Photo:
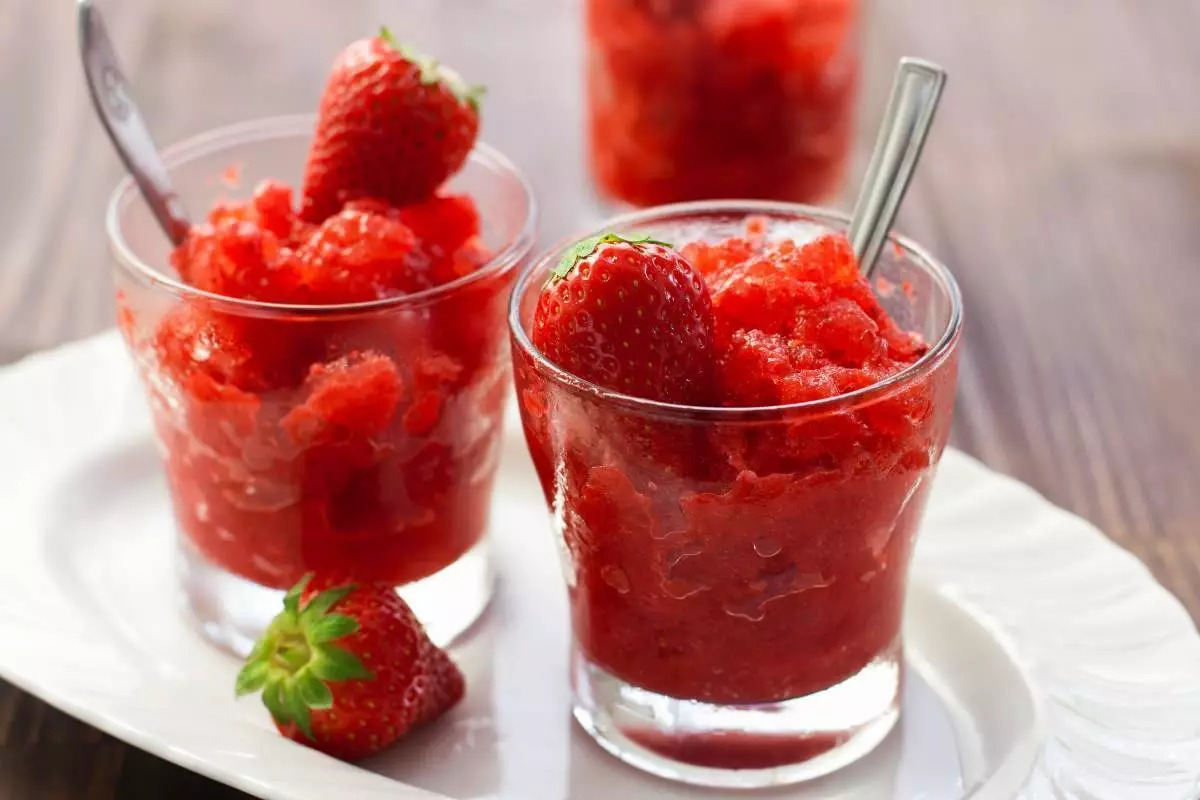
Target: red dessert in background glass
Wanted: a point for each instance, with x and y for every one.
(327, 396)
(698, 99)
(737, 570)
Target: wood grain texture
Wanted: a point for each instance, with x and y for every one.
(1062, 185)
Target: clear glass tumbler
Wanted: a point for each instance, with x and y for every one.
(737, 575)
(700, 99)
(359, 440)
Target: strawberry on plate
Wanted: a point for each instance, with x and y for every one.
(630, 314)
(393, 125)
(348, 670)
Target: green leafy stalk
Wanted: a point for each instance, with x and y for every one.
(584, 248)
(385, 33)
(296, 659)
(433, 71)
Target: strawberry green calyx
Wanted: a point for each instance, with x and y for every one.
(296, 658)
(583, 249)
(433, 71)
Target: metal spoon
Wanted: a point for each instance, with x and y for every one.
(915, 95)
(113, 101)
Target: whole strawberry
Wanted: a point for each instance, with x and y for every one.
(349, 670)
(630, 314)
(393, 125)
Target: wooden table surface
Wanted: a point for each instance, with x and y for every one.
(1062, 185)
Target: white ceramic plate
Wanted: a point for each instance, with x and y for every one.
(1046, 662)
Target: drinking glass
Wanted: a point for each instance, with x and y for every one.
(358, 440)
(699, 99)
(737, 576)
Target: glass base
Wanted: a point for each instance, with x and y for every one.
(743, 747)
(232, 612)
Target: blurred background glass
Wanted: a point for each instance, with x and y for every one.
(704, 99)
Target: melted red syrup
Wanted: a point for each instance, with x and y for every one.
(749, 562)
(735, 750)
(360, 444)
(698, 99)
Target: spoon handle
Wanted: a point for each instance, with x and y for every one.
(113, 101)
(906, 123)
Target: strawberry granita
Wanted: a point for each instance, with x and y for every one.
(327, 395)
(327, 372)
(754, 550)
(696, 99)
(357, 444)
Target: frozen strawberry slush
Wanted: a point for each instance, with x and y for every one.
(353, 442)
(697, 99)
(754, 558)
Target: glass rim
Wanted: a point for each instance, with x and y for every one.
(933, 358)
(277, 127)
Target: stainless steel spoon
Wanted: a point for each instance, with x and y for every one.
(915, 95)
(113, 101)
